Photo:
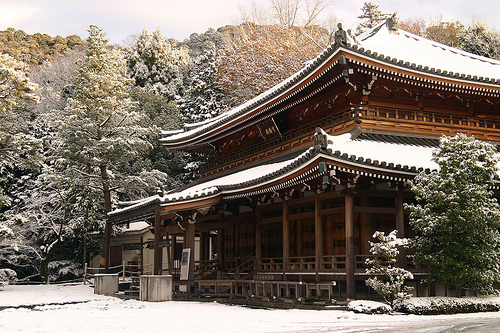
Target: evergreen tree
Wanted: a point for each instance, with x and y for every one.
(202, 99)
(383, 264)
(456, 219)
(371, 17)
(14, 83)
(480, 39)
(156, 66)
(99, 127)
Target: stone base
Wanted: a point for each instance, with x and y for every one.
(155, 288)
(106, 284)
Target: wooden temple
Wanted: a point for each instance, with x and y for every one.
(300, 177)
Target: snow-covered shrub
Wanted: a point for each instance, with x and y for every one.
(64, 270)
(456, 219)
(369, 307)
(446, 305)
(385, 252)
(7, 276)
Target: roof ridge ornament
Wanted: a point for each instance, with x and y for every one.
(321, 140)
(340, 37)
(392, 23)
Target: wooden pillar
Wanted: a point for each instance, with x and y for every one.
(141, 256)
(173, 248)
(258, 235)
(350, 263)
(169, 251)
(400, 226)
(190, 240)
(286, 237)
(298, 238)
(220, 247)
(202, 247)
(157, 249)
(318, 234)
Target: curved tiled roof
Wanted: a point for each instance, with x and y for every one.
(380, 157)
(398, 49)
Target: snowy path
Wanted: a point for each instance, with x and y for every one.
(110, 314)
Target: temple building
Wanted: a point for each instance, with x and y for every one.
(300, 177)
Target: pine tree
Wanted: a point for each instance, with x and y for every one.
(202, 99)
(457, 219)
(480, 39)
(382, 264)
(155, 65)
(100, 127)
(14, 83)
(371, 17)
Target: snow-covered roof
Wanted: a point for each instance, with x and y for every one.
(401, 159)
(399, 49)
(449, 61)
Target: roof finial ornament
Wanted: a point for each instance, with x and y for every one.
(340, 36)
(392, 22)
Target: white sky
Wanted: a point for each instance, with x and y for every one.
(179, 18)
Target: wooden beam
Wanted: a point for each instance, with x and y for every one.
(276, 219)
(375, 210)
(331, 211)
(300, 216)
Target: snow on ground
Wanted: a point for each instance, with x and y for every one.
(110, 314)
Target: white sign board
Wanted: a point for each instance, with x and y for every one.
(186, 257)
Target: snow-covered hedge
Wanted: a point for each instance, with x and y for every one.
(369, 307)
(447, 305)
(7, 276)
(64, 270)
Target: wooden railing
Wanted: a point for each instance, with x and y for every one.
(327, 263)
(403, 115)
(343, 116)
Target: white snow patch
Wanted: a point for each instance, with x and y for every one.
(110, 314)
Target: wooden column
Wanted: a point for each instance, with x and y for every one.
(220, 247)
(190, 240)
(258, 235)
(298, 237)
(318, 234)
(286, 237)
(400, 226)
(350, 263)
(141, 256)
(157, 249)
(169, 250)
(201, 254)
(173, 248)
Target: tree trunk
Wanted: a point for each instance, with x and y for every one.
(44, 267)
(107, 208)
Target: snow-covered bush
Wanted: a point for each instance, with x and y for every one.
(457, 218)
(385, 252)
(64, 270)
(446, 305)
(369, 307)
(7, 276)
